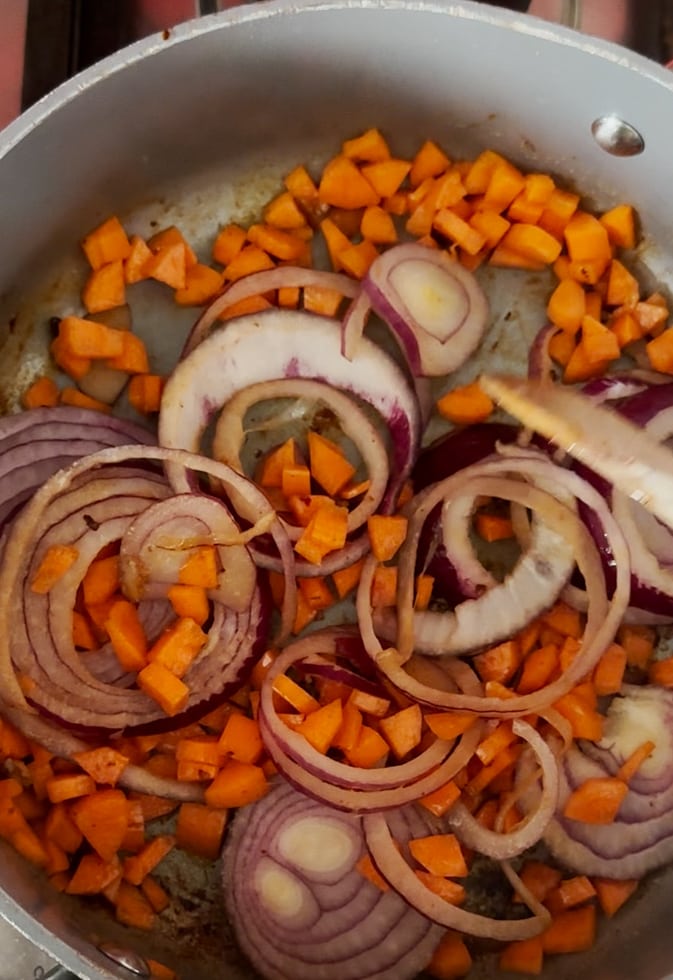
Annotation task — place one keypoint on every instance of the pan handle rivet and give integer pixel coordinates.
(616, 136)
(131, 961)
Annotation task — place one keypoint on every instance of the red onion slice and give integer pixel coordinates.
(400, 876)
(353, 421)
(296, 345)
(263, 282)
(298, 904)
(53, 514)
(603, 617)
(434, 306)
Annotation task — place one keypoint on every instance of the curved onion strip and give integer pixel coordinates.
(505, 608)
(522, 890)
(18, 553)
(435, 307)
(540, 363)
(502, 846)
(368, 801)
(353, 324)
(400, 876)
(158, 539)
(263, 282)
(297, 748)
(229, 435)
(295, 345)
(65, 745)
(603, 618)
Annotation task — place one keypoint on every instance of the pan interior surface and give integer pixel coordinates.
(197, 129)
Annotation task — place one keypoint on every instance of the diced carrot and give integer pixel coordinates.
(102, 816)
(562, 346)
(494, 743)
(378, 226)
(133, 358)
(619, 222)
(612, 894)
(632, 764)
(54, 564)
(316, 592)
(480, 170)
(369, 704)
(370, 146)
(136, 868)
(127, 635)
(106, 243)
(369, 750)
(250, 259)
(346, 579)
(506, 759)
(504, 184)
(101, 580)
(329, 466)
(599, 343)
(384, 586)
(569, 893)
(285, 455)
(236, 784)
(343, 185)
(586, 238)
(571, 931)
(660, 352)
(349, 731)
(623, 288)
(202, 283)
(295, 695)
(136, 260)
(567, 305)
(77, 398)
(533, 243)
(559, 208)
(386, 534)
(60, 828)
(594, 303)
(240, 739)
(93, 875)
(661, 672)
(200, 829)
(228, 243)
(424, 588)
(42, 393)
(596, 801)
(450, 724)
(169, 265)
(451, 959)
(440, 854)
(155, 894)
(145, 391)
(523, 956)
(563, 618)
(178, 646)
(200, 568)
(57, 859)
(465, 405)
(402, 730)
(539, 878)
(441, 800)
(429, 161)
(538, 668)
(639, 643)
(282, 212)
(159, 971)
(322, 300)
(336, 242)
(133, 909)
(89, 339)
(325, 532)
(105, 288)
(320, 727)
(580, 368)
(493, 527)
(164, 687)
(282, 245)
(189, 602)
(500, 663)
(608, 674)
(105, 765)
(445, 888)
(457, 230)
(167, 238)
(585, 721)
(296, 481)
(356, 259)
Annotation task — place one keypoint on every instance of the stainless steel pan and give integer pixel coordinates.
(197, 126)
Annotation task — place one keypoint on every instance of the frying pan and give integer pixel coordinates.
(196, 127)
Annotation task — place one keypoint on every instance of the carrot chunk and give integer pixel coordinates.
(571, 931)
(440, 854)
(402, 730)
(343, 185)
(236, 784)
(42, 393)
(102, 817)
(106, 243)
(386, 534)
(200, 829)
(55, 562)
(127, 635)
(240, 739)
(465, 405)
(170, 693)
(597, 800)
(613, 894)
(451, 959)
